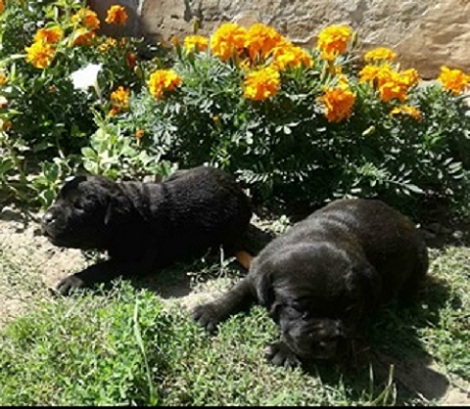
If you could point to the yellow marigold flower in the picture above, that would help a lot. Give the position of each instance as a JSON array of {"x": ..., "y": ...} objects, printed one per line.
[
  {"x": 120, "y": 98},
  {"x": 40, "y": 55},
  {"x": 110, "y": 42},
  {"x": 82, "y": 36},
  {"x": 369, "y": 73},
  {"x": 407, "y": 110},
  {"x": 86, "y": 18},
  {"x": 116, "y": 15},
  {"x": 161, "y": 81},
  {"x": 228, "y": 40},
  {"x": 49, "y": 35},
  {"x": 333, "y": 41},
  {"x": 260, "y": 41},
  {"x": 453, "y": 80},
  {"x": 338, "y": 102},
  {"x": 262, "y": 84},
  {"x": 288, "y": 55},
  {"x": 3, "y": 78},
  {"x": 196, "y": 43},
  {"x": 410, "y": 77},
  {"x": 380, "y": 54}
]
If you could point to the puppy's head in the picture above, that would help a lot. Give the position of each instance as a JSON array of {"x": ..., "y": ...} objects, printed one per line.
[
  {"x": 320, "y": 298},
  {"x": 80, "y": 214}
]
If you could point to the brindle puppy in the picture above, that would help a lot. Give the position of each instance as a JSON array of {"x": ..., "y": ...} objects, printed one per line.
[
  {"x": 145, "y": 226},
  {"x": 322, "y": 280}
]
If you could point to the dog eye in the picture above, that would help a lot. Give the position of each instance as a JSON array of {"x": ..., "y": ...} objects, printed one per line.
[{"x": 77, "y": 204}]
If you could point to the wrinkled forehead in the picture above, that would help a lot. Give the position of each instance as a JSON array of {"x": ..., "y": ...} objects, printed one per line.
[{"x": 75, "y": 187}]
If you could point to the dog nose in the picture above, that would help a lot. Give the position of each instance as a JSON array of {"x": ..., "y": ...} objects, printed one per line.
[{"x": 48, "y": 218}]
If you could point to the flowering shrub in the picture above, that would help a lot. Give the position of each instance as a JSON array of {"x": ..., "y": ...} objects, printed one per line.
[
  {"x": 303, "y": 126},
  {"x": 297, "y": 126}
]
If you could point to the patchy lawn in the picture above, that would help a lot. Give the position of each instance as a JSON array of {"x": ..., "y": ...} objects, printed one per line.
[{"x": 136, "y": 345}]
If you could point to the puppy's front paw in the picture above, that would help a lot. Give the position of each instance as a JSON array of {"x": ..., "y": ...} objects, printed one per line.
[
  {"x": 279, "y": 354},
  {"x": 207, "y": 315},
  {"x": 68, "y": 284}
]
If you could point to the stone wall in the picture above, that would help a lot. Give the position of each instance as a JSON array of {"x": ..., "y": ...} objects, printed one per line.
[{"x": 425, "y": 33}]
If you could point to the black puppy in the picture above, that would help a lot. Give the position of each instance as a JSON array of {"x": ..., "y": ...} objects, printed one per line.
[
  {"x": 146, "y": 225},
  {"x": 322, "y": 280}
]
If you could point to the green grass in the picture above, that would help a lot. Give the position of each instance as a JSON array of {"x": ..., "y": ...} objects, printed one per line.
[{"x": 128, "y": 347}]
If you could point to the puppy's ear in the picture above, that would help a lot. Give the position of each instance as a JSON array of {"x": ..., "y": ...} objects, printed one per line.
[
  {"x": 369, "y": 281},
  {"x": 264, "y": 289}
]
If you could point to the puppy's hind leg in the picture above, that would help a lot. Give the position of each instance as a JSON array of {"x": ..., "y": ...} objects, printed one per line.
[{"x": 238, "y": 299}]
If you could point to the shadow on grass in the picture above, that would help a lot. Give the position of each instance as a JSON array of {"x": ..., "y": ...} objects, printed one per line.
[{"x": 395, "y": 351}]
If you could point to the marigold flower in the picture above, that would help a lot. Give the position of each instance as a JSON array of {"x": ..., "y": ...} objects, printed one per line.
[
  {"x": 333, "y": 41},
  {"x": 227, "y": 41},
  {"x": 116, "y": 15},
  {"x": 6, "y": 126},
  {"x": 195, "y": 43},
  {"x": 262, "y": 84},
  {"x": 3, "y": 78},
  {"x": 82, "y": 36},
  {"x": 260, "y": 41},
  {"x": 161, "y": 81},
  {"x": 86, "y": 18},
  {"x": 139, "y": 133},
  {"x": 380, "y": 54},
  {"x": 113, "y": 111},
  {"x": 288, "y": 55},
  {"x": 110, "y": 42},
  {"x": 3, "y": 102},
  {"x": 338, "y": 102},
  {"x": 2, "y": 6},
  {"x": 407, "y": 110},
  {"x": 131, "y": 60},
  {"x": 49, "y": 35},
  {"x": 391, "y": 84},
  {"x": 120, "y": 98},
  {"x": 40, "y": 55},
  {"x": 453, "y": 80}
]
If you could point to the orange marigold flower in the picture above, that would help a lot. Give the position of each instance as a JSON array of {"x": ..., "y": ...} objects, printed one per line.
[
  {"x": 131, "y": 60},
  {"x": 2, "y": 6},
  {"x": 262, "y": 84},
  {"x": 260, "y": 41},
  {"x": 113, "y": 111},
  {"x": 86, "y": 18},
  {"x": 116, "y": 15},
  {"x": 227, "y": 41},
  {"x": 6, "y": 126},
  {"x": 338, "y": 103},
  {"x": 40, "y": 55},
  {"x": 120, "y": 98},
  {"x": 49, "y": 35},
  {"x": 380, "y": 54},
  {"x": 196, "y": 43},
  {"x": 82, "y": 36},
  {"x": 407, "y": 110},
  {"x": 288, "y": 55},
  {"x": 139, "y": 133},
  {"x": 453, "y": 80},
  {"x": 3, "y": 78},
  {"x": 333, "y": 41},
  {"x": 161, "y": 81}
]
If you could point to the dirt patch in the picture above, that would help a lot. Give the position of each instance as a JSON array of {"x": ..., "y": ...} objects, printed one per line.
[{"x": 31, "y": 265}]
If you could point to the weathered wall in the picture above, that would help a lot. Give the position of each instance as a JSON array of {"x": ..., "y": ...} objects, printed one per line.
[{"x": 425, "y": 33}]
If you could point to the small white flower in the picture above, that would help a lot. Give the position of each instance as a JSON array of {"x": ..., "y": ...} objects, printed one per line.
[{"x": 86, "y": 77}]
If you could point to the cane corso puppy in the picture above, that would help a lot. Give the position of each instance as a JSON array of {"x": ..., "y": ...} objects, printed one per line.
[
  {"x": 323, "y": 279},
  {"x": 144, "y": 226}
]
